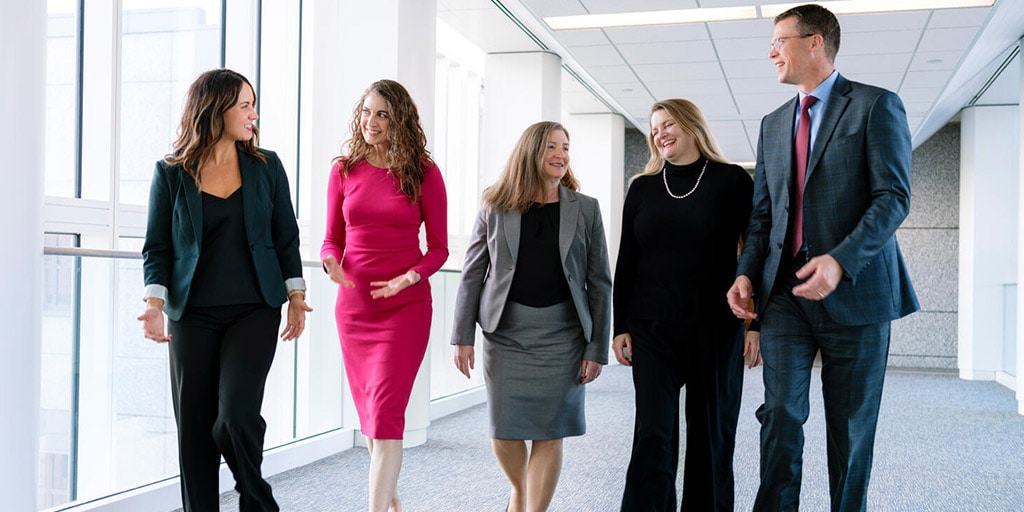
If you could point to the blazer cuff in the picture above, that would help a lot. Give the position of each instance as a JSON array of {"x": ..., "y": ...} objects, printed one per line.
[
  {"x": 155, "y": 291},
  {"x": 294, "y": 284}
]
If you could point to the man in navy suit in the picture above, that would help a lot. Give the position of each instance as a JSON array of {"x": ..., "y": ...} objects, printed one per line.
[{"x": 821, "y": 258}]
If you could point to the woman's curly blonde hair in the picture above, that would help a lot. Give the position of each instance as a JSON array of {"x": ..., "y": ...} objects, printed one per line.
[{"x": 407, "y": 154}]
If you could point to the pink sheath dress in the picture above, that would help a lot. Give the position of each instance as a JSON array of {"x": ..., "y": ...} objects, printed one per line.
[{"x": 373, "y": 230}]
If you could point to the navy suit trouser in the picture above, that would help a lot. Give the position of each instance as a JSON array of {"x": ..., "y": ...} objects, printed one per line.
[
  {"x": 708, "y": 360},
  {"x": 853, "y": 360},
  {"x": 220, "y": 357}
]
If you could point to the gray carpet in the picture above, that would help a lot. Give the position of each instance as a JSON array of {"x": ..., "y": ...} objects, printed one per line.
[{"x": 943, "y": 445}]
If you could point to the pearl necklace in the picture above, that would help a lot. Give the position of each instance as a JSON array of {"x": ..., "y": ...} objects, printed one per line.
[{"x": 664, "y": 176}]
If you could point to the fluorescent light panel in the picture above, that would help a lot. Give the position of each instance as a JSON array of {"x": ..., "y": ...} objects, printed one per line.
[
  {"x": 877, "y": 6},
  {"x": 682, "y": 16},
  {"x": 647, "y": 18}
]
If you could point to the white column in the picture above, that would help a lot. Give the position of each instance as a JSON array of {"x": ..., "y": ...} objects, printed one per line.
[
  {"x": 393, "y": 39},
  {"x": 1019, "y": 384},
  {"x": 597, "y": 148},
  {"x": 519, "y": 89},
  {"x": 22, "y": 100},
  {"x": 988, "y": 236}
]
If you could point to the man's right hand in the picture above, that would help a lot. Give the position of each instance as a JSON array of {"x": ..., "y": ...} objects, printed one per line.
[{"x": 739, "y": 296}]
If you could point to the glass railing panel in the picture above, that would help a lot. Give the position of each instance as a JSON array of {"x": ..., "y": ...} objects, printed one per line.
[{"x": 445, "y": 380}]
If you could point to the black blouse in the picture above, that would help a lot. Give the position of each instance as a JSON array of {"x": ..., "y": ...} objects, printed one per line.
[
  {"x": 539, "y": 280},
  {"x": 225, "y": 274}
]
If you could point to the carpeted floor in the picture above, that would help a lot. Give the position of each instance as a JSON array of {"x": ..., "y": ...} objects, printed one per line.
[{"x": 943, "y": 444}]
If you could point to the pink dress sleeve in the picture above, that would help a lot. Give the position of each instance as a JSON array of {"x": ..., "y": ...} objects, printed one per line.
[
  {"x": 434, "y": 208},
  {"x": 334, "y": 238}
]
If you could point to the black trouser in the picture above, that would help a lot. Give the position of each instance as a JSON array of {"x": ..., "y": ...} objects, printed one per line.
[
  {"x": 708, "y": 359},
  {"x": 220, "y": 357}
]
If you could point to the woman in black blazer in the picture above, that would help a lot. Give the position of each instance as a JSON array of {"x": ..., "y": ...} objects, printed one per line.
[{"x": 221, "y": 256}]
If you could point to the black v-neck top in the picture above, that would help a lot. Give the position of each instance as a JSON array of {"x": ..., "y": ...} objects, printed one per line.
[
  {"x": 539, "y": 280},
  {"x": 225, "y": 273}
]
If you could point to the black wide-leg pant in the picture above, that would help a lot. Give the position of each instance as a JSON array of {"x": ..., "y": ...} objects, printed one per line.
[
  {"x": 708, "y": 359},
  {"x": 220, "y": 357}
]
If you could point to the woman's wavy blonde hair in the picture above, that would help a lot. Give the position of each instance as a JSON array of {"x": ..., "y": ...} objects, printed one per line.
[
  {"x": 407, "y": 154},
  {"x": 202, "y": 120},
  {"x": 692, "y": 121},
  {"x": 523, "y": 176}
]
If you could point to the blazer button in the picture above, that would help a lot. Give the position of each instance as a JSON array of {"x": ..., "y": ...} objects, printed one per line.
[
  {"x": 252, "y": 247},
  {"x": 779, "y": 245}
]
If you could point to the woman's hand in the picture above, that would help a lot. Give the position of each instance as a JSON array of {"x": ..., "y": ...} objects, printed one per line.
[
  {"x": 752, "y": 349},
  {"x": 465, "y": 358},
  {"x": 297, "y": 309},
  {"x": 391, "y": 288},
  {"x": 623, "y": 346},
  {"x": 153, "y": 321},
  {"x": 589, "y": 371},
  {"x": 333, "y": 269}
]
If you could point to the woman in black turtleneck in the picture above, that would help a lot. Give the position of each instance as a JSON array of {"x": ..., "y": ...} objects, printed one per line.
[{"x": 681, "y": 222}]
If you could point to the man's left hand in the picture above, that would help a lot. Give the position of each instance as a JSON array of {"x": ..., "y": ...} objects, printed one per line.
[{"x": 822, "y": 274}]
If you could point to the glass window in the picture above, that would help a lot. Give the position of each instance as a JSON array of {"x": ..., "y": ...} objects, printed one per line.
[
  {"x": 62, "y": 116},
  {"x": 57, "y": 413},
  {"x": 165, "y": 44}
]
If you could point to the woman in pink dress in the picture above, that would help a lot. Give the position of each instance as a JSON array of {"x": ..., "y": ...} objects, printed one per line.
[{"x": 379, "y": 193}]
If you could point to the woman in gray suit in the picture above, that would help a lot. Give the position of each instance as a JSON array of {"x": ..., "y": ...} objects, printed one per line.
[{"x": 537, "y": 280}]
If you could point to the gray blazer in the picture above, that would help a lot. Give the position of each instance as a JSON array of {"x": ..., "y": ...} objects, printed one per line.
[
  {"x": 857, "y": 192},
  {"x": 491, "y": 263}
]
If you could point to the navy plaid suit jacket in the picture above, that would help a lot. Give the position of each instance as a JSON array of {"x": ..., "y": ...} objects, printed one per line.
[{"x": 857, "y": 193}]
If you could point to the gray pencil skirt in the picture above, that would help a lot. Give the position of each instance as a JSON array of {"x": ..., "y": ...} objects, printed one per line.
[{"x": 532, "y": 370}]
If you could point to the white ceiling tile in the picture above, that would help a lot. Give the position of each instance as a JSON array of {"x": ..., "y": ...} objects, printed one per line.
[
  {"x": 945, "y": 18},
  {"x": 627, "y": 35},
  {"x": 489, "y": 30},
  {"x": 883, "y": 22},
  {"x": 611, "y": 73},
  {"x": 742, "y": 48},
  {"x": 890, "y": 81},
  {"x": 852, "y": 65},
  {"x": 604, "y": 55},
  {"x": 693, "y": 70},
  {"x": 934, "y": 61},
  {"x": 687, "y": 88},
  {"x": 756, "y": 106},
  {"x": 766, "y": 83},
  {"x": 759, "y": 68},
  {"x": 743, "y": 29},
  {"x": 628, "y": 86},
  {"x": 664, "y": 53},
  {"x": 919, "y": 79},
  {"x": 546, "y": 8},
  {"x": 919, "y": 101},
  {"x": 866, "y": 43},
  {"x": 947, "y": 39},
  {"x": 593, "y": 37}
]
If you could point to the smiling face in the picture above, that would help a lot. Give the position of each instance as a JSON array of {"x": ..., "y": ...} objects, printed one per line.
[
  {"x": 674, "y": 144},
  {"x": 800, "y": 59},
  {"x": 238, "y": 120},
  {"x": 556, "y": 156},
  {"x": 375, "y": 120}
]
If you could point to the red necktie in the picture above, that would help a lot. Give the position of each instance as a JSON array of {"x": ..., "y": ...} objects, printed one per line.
[{"x": 803, "y": 144}]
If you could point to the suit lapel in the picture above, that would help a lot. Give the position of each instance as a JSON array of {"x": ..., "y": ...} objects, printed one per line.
[
  {"x": 568, "y": 211},
  {"x": 250, "y": 191},
  {"x": 781, "y": 126},
  {"x": 837, "y": 102},
  {"x": 194, "y": 204},
  {"x": 511, "y": 224}
]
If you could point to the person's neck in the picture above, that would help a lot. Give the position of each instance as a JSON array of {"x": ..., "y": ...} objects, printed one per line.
[
  {"x": 548, "y": 195},
  {"x": 375, "y": 157},
  {"x": 224, "y": 152},
  {"x": 688, "y": 158},
  {"x": 808, "y": 86}
]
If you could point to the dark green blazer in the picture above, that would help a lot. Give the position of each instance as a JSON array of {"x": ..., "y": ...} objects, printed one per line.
[{"x": 175, "y": 228}]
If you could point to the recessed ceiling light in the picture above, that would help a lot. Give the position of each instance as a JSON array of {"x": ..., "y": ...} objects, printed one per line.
[
  {"x": 647, "y": 18},
  {"x": 627, "y": 89},
  {"x": 934, "y": 61},
  {"x": 875, "y": 6}
]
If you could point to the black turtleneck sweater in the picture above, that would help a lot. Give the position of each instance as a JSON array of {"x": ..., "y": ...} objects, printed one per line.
[{"x": 677, "y": 257}]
